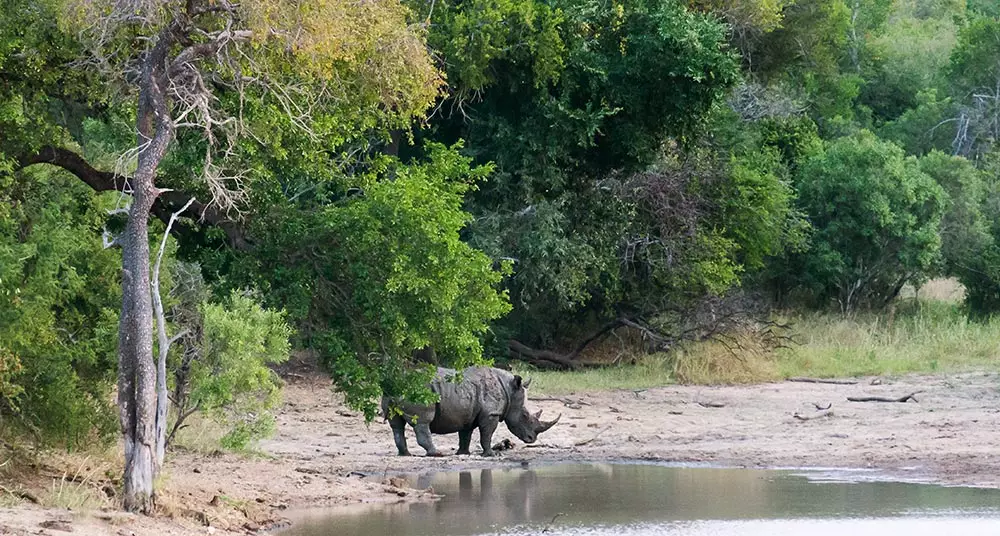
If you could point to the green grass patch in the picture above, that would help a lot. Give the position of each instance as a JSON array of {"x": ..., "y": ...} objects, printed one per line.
[
  {"x": 924, "y": 337},
  {"x": 920, "y": 337}
]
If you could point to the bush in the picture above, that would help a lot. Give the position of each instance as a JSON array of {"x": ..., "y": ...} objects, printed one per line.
[
  {"x": 227, "y": 374},
  {"x": 59, "y": 292},
  {"x": 875, "y": 216}
]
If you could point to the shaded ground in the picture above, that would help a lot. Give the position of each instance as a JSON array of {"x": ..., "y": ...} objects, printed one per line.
[{"x": 950, "y": 435}]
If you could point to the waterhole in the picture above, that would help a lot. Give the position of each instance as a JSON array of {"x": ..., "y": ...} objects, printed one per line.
[{"x": 646, "y": 500}]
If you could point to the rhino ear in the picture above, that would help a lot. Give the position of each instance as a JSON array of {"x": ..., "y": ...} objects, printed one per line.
[{"x": 517, "y": 382}]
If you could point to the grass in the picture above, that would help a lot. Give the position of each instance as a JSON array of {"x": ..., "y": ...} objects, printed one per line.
[
  {"x": 933, "y": 336},
  {"x": 927, "y": 332},
  {"x": 200, "y": 434}
]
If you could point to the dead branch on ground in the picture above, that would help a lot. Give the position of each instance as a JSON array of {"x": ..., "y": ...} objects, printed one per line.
[
  {"x": 821, "y": 380},
  {"x": 585, "y": 441},
  {"x": 902, "y": 399}
]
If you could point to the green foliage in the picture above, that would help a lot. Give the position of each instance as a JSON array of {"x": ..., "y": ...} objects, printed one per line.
[
  {"x": 986, "y": 8},
  {"x": 965, "y": 234},
  {"x": 975, "y": 256},
  {"x": 231, "y": 380},
  {"x": 974, "y": 64},
  {"x": 876, "y": 217},
  {"x": 926, "y": 127},
  {"x": 58, "y": 300},
  {"x": 376, "y": 274},
  {"x": 908, "y": 57}
]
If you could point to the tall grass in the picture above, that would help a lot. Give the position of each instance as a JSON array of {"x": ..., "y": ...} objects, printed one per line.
[{"x": 926, "y": 335}]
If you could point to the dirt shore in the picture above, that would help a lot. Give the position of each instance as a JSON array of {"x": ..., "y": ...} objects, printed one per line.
[{"x": 325, "y": 455}]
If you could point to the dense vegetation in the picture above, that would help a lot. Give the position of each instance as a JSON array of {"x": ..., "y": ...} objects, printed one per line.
[{"x": 390, "y": 185}]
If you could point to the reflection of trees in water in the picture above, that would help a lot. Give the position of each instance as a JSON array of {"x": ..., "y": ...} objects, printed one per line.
[{"x": 487, "y": 501}]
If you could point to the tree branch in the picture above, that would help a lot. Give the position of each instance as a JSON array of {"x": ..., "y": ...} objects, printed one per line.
[{"x": 166, "y": 203}]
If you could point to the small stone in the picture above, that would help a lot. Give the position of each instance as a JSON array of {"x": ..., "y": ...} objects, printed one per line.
[{"x": 197, "y": 470}]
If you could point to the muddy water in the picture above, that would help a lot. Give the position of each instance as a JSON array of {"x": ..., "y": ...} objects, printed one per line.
[{"x": 646, "y": 500}]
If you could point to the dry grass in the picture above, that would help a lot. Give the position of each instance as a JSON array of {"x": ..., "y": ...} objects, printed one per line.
[
  {"x": 80, "y": 482},
  {"x": 927, "y": 331},
  {"x": 716, "y": 362},
  {"x": 199, "y": 434}
]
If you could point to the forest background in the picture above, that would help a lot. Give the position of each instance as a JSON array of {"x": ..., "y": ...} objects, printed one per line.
[{"x": 703, "y": 190}]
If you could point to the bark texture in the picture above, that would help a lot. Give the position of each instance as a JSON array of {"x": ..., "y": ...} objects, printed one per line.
[{"x": 137, "y": 370}]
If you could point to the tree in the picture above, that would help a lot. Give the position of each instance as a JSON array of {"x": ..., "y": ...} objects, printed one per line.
[
  {"x": 974, "y": 73},
  {"x": 965, "y": 232},
  {"x": 876, "y": 218},
  {"x": 58, "y": 309},
  {"x": 377, "y": 270},
  {"x": 583, "y": 93},
  {"x": 193, "y": 58}
]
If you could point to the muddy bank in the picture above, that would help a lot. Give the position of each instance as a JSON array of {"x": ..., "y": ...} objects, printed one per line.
[{"x": 950, "y": 434}]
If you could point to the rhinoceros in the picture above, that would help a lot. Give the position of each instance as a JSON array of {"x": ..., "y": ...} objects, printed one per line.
[{"x": 482, "y": 398}]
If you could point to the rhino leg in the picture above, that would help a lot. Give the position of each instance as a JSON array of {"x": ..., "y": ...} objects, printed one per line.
[
  {"x": 487, "y": 426},
  {"x": 423, "y": 431},
  {"x": 398, "y": 425},
  {"x": 464, "y": 440}
]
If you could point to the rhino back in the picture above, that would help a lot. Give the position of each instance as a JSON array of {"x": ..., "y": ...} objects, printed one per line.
[{"x": 479, "y": 393}]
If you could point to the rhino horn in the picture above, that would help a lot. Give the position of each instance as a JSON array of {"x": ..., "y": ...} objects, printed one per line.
[
  {"x": 527, "y": 383},
  {"x": 543, "y": 425},
  {"x": 539, "y": 414}
]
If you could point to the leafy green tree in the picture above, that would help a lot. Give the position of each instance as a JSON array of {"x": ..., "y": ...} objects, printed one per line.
[
  {"x": 929, "y": 126},
  {"x": 974, "y": 74},
  {"x": 593, "y": 92},
  {"x": 380, "y": 272},
  {"x": 149, "y": 61},
  {"x": 876, "y": 219},
  {"x": 58, "y": 309},
  {"x": 965, "y": 233},
  {"x": 975, "y": 256},
  {"x": 909, "y": 57}
]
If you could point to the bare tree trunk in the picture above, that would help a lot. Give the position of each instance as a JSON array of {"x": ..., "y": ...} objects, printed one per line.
[
  {"x": 163, "y": 345},
  {"x": 136, "y": 369}
]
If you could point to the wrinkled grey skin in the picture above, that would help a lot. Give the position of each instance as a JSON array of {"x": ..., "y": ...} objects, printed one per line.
[{"x": 485, "y": 397}]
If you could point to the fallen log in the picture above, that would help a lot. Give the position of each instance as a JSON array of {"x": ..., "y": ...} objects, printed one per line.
[
  {"x": 903, "y": 399},
  {"x": 821, "y": 380}
]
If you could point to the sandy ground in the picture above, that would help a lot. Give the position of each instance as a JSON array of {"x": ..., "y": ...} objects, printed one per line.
[{"x": 325, "y": 455}]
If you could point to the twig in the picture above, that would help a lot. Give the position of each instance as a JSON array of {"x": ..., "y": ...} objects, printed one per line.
[
  {"x": 585, "y": 441},
  {"x": 822, "y": 380},
  {"x": 820, "y": 415},
  {"x": 906, "y": 398},
  {"x": 821, "y": 408},
  {"x": 21, "y": 494},
  {"x": 711, "y": 404},
  {"x": 554, "y": 518}
]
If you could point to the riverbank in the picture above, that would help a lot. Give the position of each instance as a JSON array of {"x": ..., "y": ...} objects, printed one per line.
[{"x": 325, "y": 455}]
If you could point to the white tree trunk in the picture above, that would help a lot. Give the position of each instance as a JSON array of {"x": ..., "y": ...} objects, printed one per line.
[{"x": 163, "y": 345}]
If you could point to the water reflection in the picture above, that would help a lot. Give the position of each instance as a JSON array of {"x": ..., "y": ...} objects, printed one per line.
[{"x": 646, "y": 499}]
